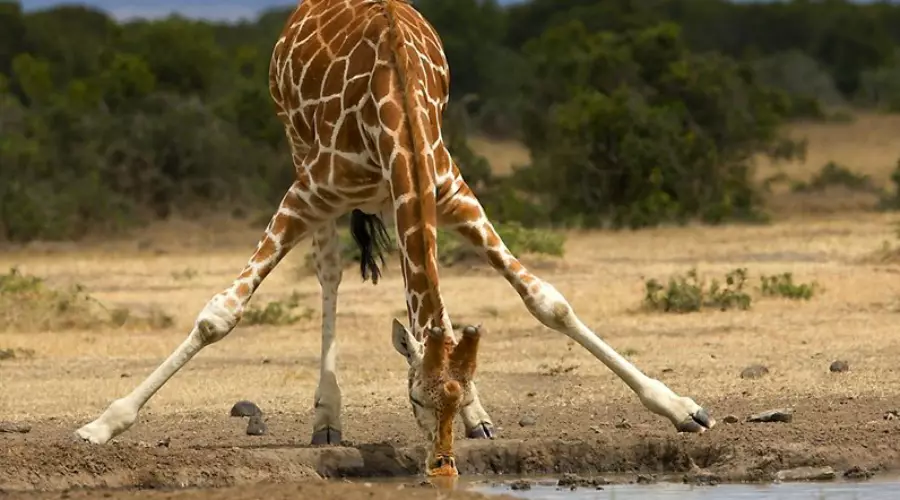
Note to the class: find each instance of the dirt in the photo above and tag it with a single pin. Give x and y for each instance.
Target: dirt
(581, 418)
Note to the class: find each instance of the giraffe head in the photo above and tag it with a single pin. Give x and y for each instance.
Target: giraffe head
(439, 375)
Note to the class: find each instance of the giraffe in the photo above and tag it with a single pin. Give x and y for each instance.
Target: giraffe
(361, 87)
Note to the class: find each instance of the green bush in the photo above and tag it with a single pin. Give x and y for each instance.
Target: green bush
(689, 293)
(782, 285)
(835, 174)
(642, 131)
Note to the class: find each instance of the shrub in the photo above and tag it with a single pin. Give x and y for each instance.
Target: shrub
(641, 131)
(835, 174)
(28, 303)
(688, 293)
(782, 285)
(277, 312)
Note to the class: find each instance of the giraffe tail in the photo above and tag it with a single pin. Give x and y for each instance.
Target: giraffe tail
(373, 240)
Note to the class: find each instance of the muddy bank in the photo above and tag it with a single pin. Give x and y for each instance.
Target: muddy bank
(321, 490)
(73, 465)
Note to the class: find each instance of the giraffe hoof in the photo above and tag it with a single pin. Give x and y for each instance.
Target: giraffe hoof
(698, 422)
(483, 430)
(326, 436)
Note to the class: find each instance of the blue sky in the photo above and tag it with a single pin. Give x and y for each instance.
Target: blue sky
(209, 9)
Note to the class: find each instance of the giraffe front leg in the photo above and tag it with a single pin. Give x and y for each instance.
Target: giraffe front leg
(461, 210)
(326, 250)
(294, 219)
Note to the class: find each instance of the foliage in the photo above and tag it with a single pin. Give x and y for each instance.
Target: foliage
(782, 285)
(642, 131)
(834, 174)
(28, 303)
(689, 293)
(637, 112)
(277, 312)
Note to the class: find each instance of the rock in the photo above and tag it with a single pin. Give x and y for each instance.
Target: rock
(14, 428)
(256, 426)
(892, 414)
(520, 485)
(646, 479)
(781, 415)
(730, 419)
(527, 421)
(623, 425)
(164, 442)
(701, 477)
(573, 481)
(245, 409)
(754, 372)
(825, 473)
(839, 366)
(857, 472)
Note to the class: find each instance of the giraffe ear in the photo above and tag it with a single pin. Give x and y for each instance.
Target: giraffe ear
(404, 342)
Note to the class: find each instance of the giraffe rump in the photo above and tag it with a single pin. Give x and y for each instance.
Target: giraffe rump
(372, 238)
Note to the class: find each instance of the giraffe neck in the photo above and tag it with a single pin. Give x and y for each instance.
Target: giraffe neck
(417, 187)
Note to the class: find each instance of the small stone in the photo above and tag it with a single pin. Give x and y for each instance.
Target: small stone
(645, 479)
(806, 474)
(624, 424)
(574, 481)
(14, 428)
(892, 415)
(527, 421)
(730, 419)
(781, 415)
(521, 485)
(754, 371)
(164, 443)
(701, 477)
(256, 426)
(857, 472)
(839, 366)
(245, 409)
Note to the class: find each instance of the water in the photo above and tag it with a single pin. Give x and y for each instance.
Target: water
(872, 489)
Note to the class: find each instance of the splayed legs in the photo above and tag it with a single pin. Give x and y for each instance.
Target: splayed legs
(460, 210)
(296, 217)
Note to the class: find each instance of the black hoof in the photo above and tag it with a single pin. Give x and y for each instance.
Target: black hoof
(698, 422)
(483, 430)
(326, 436)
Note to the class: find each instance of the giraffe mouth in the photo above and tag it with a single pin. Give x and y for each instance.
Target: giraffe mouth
(443, 466)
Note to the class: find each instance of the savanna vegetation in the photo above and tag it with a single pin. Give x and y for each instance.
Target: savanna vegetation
(635, 112)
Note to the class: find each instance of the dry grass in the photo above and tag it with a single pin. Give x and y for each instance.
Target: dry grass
(178, 266)
(503, 156)
(76, 373)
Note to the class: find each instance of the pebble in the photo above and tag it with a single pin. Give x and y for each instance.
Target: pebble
(14, 428)
(527, 421)
(839, 366)
(754, 371)
(825, 473)
(781, 415)
(256, 426)
(730, 419)
(857, 472)
(245, 409)
(521, 485)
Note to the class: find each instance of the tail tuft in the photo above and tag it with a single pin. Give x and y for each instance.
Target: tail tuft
(372, 238)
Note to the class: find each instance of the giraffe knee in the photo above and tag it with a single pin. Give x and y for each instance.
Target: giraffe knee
(216, 320)
(549, 306)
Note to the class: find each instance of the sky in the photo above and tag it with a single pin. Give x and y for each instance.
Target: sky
(208, 9)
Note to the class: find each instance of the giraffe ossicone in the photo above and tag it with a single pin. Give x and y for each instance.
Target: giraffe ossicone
(361, 87)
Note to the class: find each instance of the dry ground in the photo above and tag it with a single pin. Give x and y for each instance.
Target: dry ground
(186, 438)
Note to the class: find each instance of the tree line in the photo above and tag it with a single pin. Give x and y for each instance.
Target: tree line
(635, 112)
